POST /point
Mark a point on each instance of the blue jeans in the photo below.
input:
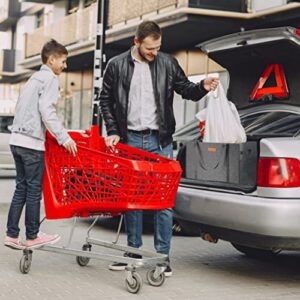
(30, 167)
(163, 219)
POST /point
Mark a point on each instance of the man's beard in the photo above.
(143, 55)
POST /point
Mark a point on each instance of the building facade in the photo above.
(26, 25)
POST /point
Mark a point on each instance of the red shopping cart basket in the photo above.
(101, 181)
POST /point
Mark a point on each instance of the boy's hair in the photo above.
(148, 28)
(52, 48)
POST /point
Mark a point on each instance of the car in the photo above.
(7, 165)
(252, 197)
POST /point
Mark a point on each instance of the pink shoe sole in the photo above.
(14, 246)
(42, 243)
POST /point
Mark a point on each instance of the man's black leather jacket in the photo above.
(167, 77)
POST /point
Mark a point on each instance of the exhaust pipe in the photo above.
(209, 237)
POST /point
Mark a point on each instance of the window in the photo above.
(5, 123)
(39, 18)
(89, 2)
(73, 6)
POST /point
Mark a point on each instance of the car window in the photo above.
(272, 123)
(5, 123)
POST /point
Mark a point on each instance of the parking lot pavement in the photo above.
(201, 271)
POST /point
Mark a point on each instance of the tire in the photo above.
(136, 285)
(83, 260)
(25, 264)
(256, 252)
(155, 281)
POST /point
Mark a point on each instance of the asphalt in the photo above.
(200, 270)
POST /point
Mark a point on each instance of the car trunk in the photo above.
(225, 166)
(234, 166)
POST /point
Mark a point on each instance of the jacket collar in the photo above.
(131, 60)
(46, 68)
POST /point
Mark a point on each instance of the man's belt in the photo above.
(144, 132)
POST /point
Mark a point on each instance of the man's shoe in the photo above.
(121, 266)
(168, 271)
(117, 266)
(41, 240)
(14, 243)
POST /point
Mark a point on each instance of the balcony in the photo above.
(9, 13)
(201, 19)
(79, 27)
(40, 1)
(228, 5)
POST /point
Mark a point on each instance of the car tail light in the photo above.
(278, 172)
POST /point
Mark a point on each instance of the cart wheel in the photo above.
(134, 285)
(82, 260)
(25, 262)
(155, 280)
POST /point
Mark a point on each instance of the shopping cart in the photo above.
(101, 181)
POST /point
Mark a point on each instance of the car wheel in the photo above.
(256, 252)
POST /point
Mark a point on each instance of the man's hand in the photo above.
(210, 83)
(112, 140)
(71, 147)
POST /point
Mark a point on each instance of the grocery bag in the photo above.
(222, 121)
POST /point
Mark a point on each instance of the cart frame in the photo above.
(156, 262)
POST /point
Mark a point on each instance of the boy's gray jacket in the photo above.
(36, 107)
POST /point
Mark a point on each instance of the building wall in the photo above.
(75, 100)
(76, 91)
(196, 66)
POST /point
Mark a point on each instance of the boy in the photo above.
(35, 111)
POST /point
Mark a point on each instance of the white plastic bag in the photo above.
(222, 121)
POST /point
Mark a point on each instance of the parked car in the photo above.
(7, 166)
(253, 200)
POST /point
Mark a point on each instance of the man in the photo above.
(136, 102)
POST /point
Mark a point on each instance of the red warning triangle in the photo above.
(279, 91)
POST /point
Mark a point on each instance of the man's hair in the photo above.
(52, 47)
(148, 28)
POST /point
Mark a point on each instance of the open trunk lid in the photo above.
(246, 55)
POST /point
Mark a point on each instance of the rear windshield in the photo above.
(272, 124)
(5, 123)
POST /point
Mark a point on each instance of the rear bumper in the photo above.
(271, 217)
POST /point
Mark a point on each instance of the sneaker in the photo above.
(121, 266)
(41, 240)
(168, 271)
(14, 243)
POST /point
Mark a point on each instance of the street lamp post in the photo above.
(99, 57)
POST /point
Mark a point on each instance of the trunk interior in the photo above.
(224, 166)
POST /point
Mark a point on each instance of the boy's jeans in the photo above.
(163, 219)
(30, 166)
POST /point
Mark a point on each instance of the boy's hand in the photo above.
(71, 147)
(112, 140)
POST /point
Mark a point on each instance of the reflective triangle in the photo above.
(280, 91)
